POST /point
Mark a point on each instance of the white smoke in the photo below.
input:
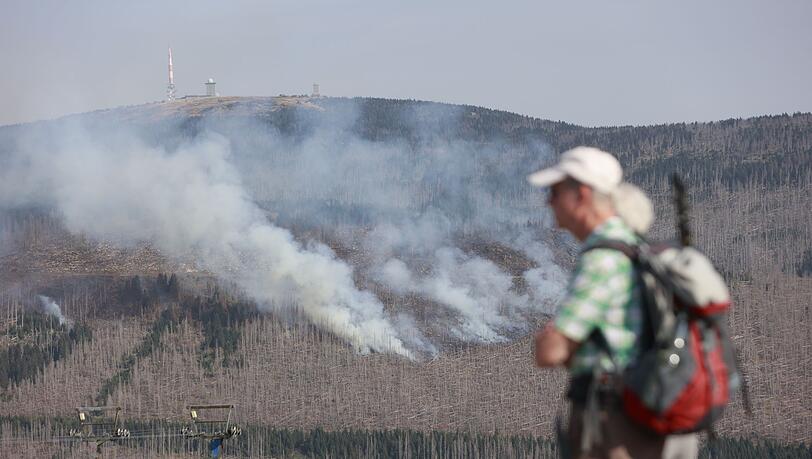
(199, 197)
(547, 281)
(52, 308)
(192, 201)
(417, 200)
(479, 293)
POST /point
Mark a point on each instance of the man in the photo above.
(589, 199)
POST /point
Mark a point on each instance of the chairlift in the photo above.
(96, 425)
(212, 423)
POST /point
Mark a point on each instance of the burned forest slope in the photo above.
(422, 206)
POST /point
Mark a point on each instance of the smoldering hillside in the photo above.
(265, 203)
(247, 249)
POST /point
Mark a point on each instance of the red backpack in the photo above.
(686, 370)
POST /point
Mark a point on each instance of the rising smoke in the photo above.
(224, 192)
(52, 308)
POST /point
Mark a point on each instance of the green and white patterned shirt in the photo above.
(603, 294)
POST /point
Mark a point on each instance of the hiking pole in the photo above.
(684, 230)
(681, 203)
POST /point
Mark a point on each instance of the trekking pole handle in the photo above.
(681, 203)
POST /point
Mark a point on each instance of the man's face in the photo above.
(564, 200)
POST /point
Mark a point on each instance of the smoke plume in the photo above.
(224, 191)
(52, 308)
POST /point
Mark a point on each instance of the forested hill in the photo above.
(740, 156)
(152, 228)
(745, 158)
(769, 150)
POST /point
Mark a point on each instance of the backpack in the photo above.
(686, 369)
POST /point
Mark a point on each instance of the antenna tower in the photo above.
(170, 88)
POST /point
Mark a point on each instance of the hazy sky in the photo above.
(585, 62)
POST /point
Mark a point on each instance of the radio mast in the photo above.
(170, 88)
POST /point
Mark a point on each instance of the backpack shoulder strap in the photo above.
(631, 251)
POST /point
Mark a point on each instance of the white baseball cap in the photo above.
(595, 168)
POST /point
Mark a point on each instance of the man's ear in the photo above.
(584, 193)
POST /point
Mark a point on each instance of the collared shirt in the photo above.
(603, 294)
